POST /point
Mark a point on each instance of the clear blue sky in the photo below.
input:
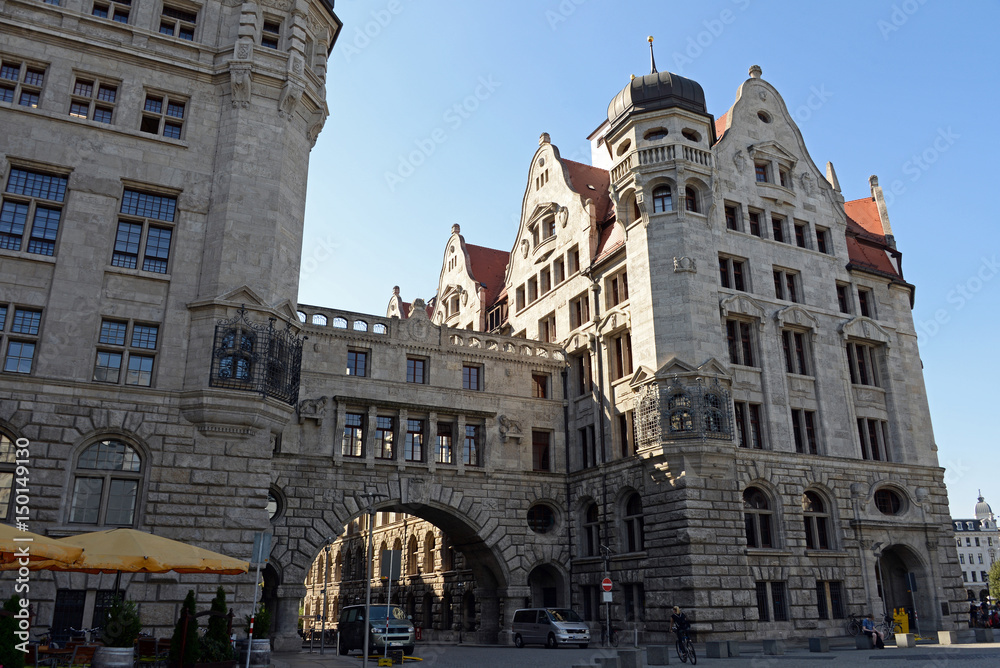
(903, 89)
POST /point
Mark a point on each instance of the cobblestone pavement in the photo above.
(484, 656)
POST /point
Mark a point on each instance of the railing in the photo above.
(655, 155)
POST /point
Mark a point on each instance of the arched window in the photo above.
(429, 552)
(691, 199)
(634, 540)
(319, 319)
(679, 407)
(385, 569)
(447, 554)
(662, 199)
(237, 354)
(338, 569)
(340, 323)
(6, 476)
(816, 522)
(757, 516)
(714, 418)
(411, 556)
(106, 484)
(591, 531)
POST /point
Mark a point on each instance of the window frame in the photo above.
(753, 223)
(27, 88)
(733, 273)
(167, 124)
(866, 302)
(749, 420)
(621, 355)
(112, 10)
(742, 343)
(804, 431)
(797, 349)
(823, 240)
(472, 377)
(541, 450)
(633, 523)
(417, 370)
(24, 340)
(149, 256)
(352, 442)
(183, 21)
(413, 447)
(127, 351)
(271, 39)
(663, 198)
(472, 445)
(579, 311)
(616, 289)
(95, 102)
(877, 430)
(760, 523)
(107, 476)
(26, 194)
(541, 383)
(733, 214)
(778, 228)
(8, 469)
(863, 363)
(385, 437)
(362, 355)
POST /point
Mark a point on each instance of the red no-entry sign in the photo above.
(606, 584)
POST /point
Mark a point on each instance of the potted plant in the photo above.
(120, 631)
(216, 647)
(184, 644)
(10, 656)
(260, 646)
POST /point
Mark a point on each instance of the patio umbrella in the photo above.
(40, 548)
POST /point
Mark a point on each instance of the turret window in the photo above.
(691, 199)
(662, 199)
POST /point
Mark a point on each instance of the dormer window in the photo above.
(761, 169)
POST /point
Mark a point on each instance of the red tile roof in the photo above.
(866, 244)
(404, 309)
(864, 212)
(612, 238)
(720, 126)
(582, 177)
(488, 266)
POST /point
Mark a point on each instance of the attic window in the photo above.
(625, 145)
(655, 134)
(691, 135)
(764, 116)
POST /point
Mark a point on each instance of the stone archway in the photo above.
(902, 581)
(547, 587)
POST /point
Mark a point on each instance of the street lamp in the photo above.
(877, 553)
(322, 616)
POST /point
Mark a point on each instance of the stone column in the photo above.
(489, 614)
(513, 599)
(284, 620)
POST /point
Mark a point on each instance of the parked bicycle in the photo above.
(685, 648)
(613, 638)
(854, 624)
(888, 627)
(87, 635)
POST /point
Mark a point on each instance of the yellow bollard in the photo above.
(902, 619)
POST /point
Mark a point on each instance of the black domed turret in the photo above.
(659, 90)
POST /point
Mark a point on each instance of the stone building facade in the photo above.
(712, 392)
(977, 541)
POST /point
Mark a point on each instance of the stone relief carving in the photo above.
(682, 264)
(739, 160)
(562, 216)
(240, 77)
(243, 50)
(465, 297)
(524, 248)
(313, 132)
(864, 328)
(282, 5)
(509, 428)
(744, 305)
(807, 183)
(312, 409)
(297, 65)
(290, 96)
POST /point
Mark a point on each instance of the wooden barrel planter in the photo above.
(260, 653)
(114, 657)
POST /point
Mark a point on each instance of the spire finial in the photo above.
(652, 60)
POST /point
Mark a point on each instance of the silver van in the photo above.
(552, 627)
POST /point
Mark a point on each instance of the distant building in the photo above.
(977, 542)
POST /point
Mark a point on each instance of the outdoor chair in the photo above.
(148, 653)
(33, 658)
(83, 656)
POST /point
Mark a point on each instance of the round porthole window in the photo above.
(541, 518)
(275, 504)
(656, 134)
(888, 502)
(764, 116)
(625, 145)
(691, 135)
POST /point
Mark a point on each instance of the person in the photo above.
(680, 624)
(868, 628)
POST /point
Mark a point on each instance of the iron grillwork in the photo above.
(675, 410)
(255, 357)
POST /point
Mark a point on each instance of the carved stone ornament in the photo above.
(562, 216)
(312, 409)
(465, 297)
(744, 305)
(861, 327)
(524, 248)
(684, 264)
(297, 65)
(739, 160)
(313, 132)
(509, 428)
(796, 315)
(240, 78)
(807, 183)
(243, 50)
(762, 94)
(281, 5)
(289, 100)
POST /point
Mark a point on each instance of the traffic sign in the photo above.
(606, 584)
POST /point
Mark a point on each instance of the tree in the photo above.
(122, 626)
(994, 579)
(215, 646)
(192, 649)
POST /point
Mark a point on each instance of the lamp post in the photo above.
(877, 553)
(369, 498)
(322, 616)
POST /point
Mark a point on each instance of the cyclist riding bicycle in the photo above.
(680, 624)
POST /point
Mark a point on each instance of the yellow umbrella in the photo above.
(14, 542)
(131, 551)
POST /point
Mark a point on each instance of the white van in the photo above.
(552, 627)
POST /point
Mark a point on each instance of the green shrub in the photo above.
(215, 645)
(192, 648)
(261, 624)
(10, 656)
(122, 626)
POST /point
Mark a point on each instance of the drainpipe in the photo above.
(569, 501)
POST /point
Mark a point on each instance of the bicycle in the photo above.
(888, 627)
(854, 625)
(685, 648)
(613, 638)
(88, 635)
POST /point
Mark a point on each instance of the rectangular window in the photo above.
(801, 234)
(384, 427)
(540, 385)
(616, 288)
(823, 240)
(861, 360)
(21, 82)
(754, 223)
(829, 600)
(93, 98)
(472, 377)
(573, 258)
(866, 302)
(357, 363)
(36, 197)
(163, 115)
(586, 448)
(778, 228)
(177, 22)
(796, 356)
(579, 311)
(470, 451)
(270, 34)
(547, 328)
(540, 451)
(784, 179)
(748, 425)
(353, 442)
(138, 237)
(416, 370)
(519, 299)
(445, 452)
(804, 431)
(779, 601)
(624, 434)
(558, 270)
(762, 172)
(116, 11)
(413, 449)
(113, 354)
(874, 437)
(733, 217)
(621, 350)
(733, 273)
(740, 339)
(843, 298)
(545, 280)
(20, 352)
(581, 366)
(635, 602)
(532, 289)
